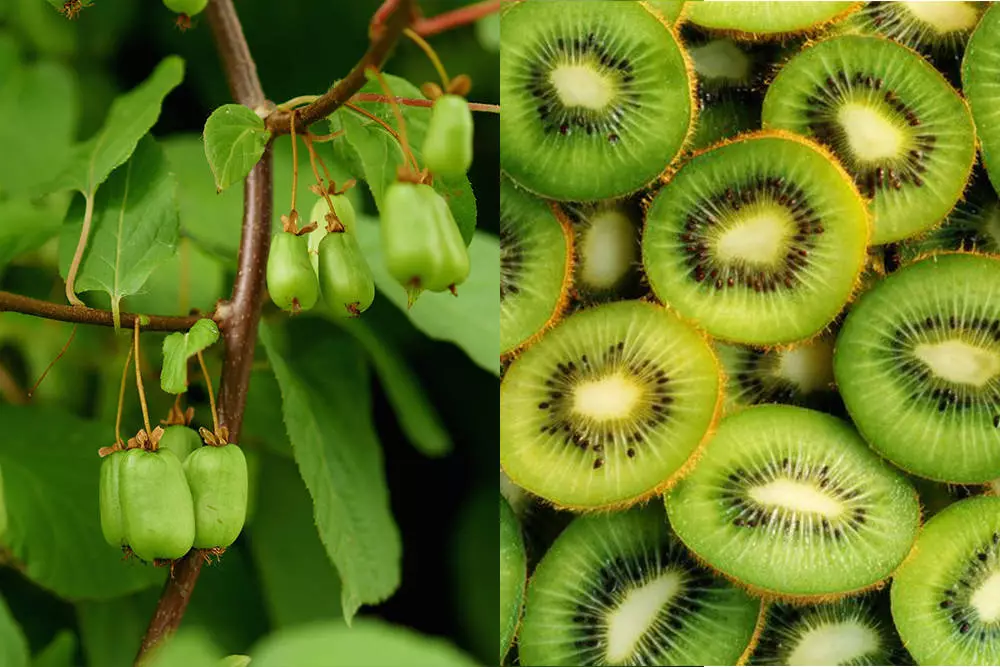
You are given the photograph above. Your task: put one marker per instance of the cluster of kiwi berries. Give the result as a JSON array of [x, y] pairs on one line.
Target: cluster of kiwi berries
[[751, 277]]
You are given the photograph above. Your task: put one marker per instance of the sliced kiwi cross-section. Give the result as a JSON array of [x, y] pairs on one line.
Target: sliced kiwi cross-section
[[620, 589], [981, 84], [934, 28], [597, 98], [513, 572], [765, 20], [973, 225], [895, 123], [535, 266], [791, 503], [946, 598], [918, 365], [608, 406], [606, 249], [760, 240]]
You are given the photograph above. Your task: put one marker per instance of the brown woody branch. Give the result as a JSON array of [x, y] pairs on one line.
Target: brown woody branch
[[15, 303]]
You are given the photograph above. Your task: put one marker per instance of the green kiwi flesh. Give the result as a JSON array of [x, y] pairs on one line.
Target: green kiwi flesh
[[606, 249], [597, 98], [791, 502], [981, 84], [513, 573], [758, 20], [852, 631], [933, 28], [535, 261], [759, 241], [918, 366], [895, 123], [620, 589], [608, 406], [946, 598], [973, 225]]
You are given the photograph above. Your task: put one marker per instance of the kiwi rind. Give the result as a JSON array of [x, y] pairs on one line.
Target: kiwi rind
[[757, 21], [981, 85], [513, 576]]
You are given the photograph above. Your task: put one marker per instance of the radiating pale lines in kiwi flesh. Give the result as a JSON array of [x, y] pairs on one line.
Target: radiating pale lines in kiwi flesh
[[871, 177], [717, 212], [511, 262], [596, 436], [893, 21], [787, 625], [591, 51], [742, 511], [956, 600], [757, 387]]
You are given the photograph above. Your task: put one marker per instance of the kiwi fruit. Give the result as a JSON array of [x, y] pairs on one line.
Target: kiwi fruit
[[851, 631], [766, 20], [981, 84], [918, 366], [608, 407], [937, 29], [895, 123], [598, 98], [760, 240], [946, 598], [620, 589], [535, 266], [513, 573], [791, 503], [606, 249]]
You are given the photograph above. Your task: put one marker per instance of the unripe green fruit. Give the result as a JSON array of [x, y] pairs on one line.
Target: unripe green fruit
[[345, 279], [345, 212], [455, 263], [291, 280], [217, 477], [447, 148], [112, 521], [3, 511], [180, 440], [411, 237], [157, 507], [189, 7]]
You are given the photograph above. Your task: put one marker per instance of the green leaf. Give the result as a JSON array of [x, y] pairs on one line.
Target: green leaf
[[132, 115], [134, 227], [310, 591], [417, 415], [235, 138], [326, 400], [235, 661], [179, 347], [380, 155], [191, 279], [27, 225], [262, 422], [472, 320], [60, 652], [369, 643], [13, 645], [111, 630], [188, 648], [50, 472]]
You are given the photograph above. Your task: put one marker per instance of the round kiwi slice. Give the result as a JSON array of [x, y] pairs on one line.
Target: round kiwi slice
[[981, 84], [946, 598], [918, 366], [852, 631], [895, 123], [790, 502], [535, 266], [606, 244], [513, 573], [934, 28], [766, 20], [608, 406], [597, 98], [973, 225], [760, 240], [620, 589]]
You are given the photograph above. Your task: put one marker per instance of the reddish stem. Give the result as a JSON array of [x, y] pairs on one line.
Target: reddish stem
[[456, 18]]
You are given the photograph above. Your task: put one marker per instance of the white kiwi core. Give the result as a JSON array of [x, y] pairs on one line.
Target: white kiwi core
[[629, 622], [608, 249], [870, 135], [610, 398], [809, 367], [581, 86], [959, 362], [986, 599], [796, 496], [943, 17], [839, 644], [759, 237]]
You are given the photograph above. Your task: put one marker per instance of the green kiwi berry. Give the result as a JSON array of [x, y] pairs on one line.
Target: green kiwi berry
[[217, 477], [291, 280], [156, 504], [345, 279], [112, 520], [345, 214], [181, 440], [188, 7], [447, 148]]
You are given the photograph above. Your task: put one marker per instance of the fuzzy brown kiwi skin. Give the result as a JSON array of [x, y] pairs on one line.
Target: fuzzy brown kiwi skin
[[758, 632], [744, 36]]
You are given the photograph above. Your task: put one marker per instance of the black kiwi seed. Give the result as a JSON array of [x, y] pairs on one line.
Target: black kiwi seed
[[511, 263]]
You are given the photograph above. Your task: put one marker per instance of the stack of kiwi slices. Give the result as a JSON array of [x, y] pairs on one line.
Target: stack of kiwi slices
[[750, 333]]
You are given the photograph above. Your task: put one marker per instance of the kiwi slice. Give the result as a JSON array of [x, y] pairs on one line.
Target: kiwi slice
[[620, 589], [895, 123], [535, 266], [606, 408], [597, 98], [606, 244], [513, 573], [981, 84], [946, 598], [766, 20], [918, 366], [934, 28], [760, 240], [852, 631], [790, 502]]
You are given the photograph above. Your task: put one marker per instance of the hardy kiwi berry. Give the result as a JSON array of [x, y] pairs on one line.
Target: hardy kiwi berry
[[918, 365], [981, 84], [946, 598], [791, 503], [597, 98], [760, 240], [620, 589], [607, 408], [895, 123]]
